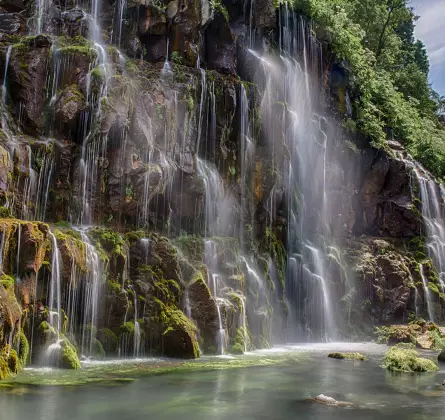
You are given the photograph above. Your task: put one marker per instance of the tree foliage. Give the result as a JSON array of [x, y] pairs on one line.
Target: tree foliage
[[389, 73]]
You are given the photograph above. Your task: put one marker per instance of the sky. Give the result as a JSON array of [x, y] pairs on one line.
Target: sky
[[430, 29]]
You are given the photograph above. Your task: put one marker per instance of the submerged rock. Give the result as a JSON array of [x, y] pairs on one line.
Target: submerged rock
[[347, 356], [324, 399]]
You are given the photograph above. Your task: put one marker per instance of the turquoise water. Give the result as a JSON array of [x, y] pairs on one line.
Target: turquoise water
[[261, 392]]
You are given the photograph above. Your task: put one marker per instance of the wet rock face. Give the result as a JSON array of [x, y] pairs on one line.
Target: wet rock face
[[387, 281], [264, 14], [203, 310], [27, 76], [388, 205], [221, 50], [11, 23], [74, 23], [373, 194], [68, 107]]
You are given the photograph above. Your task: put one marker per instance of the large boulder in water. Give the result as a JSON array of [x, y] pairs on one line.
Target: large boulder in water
[[62, 354]]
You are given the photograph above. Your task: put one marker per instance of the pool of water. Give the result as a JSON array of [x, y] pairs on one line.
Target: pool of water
[[280, 391]]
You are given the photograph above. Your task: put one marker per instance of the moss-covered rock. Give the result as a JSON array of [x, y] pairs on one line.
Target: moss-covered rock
[[407, 360], [9, 362], [347, 356], [425, 335], [241, 342], [203, 310], [23, 348], [70, 359], [108, 339], [97, 350], [177, 332], [69, 105]]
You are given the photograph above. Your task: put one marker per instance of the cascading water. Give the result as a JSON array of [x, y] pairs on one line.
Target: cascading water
[[5, 91], [427, 293], [137, 329], [243, 317], [91, 294], [214, 283], [432, 195], [247, 152], [55, 294], [303, 132]]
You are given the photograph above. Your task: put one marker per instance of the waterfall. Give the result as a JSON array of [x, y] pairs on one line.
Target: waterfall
[[214, 196], [213, 281], [121, 7], [91, 294], [432, 195], [5, 90], [427, 293], [187, 307], [54, 301], [244, 322], [41, 6], [5, 76], [17, 260], [41, 193], [247, 153], [167, 70], [305, 160], [145, 242], [202, 104], [137, 329]]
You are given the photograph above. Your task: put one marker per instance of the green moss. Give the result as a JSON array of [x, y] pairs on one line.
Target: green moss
[[173, 320], [176, 58], [135, 236], [74, 246], [23, 346], [64, 224], [191, 246], [108, 241], [70, 360], [97, 349], [237, 349], [437, 338], [7, 281], [347, 356], [238, 344], [407, 360], [114, 287], [433, 287], [108, 339], [127, 328], [9, 362], [47, 332], [398, 333], [71, 50], [5, 212]]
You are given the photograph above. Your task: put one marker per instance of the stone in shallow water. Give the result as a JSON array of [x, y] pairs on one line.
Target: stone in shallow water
[[324, 399], [347, 356]]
